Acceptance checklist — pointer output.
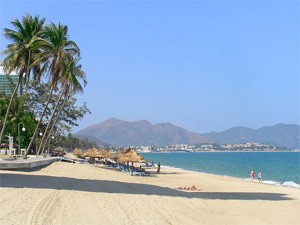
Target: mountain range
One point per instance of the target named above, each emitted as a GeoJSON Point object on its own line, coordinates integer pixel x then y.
{"type": "Point", "coordinates": [118, 132]}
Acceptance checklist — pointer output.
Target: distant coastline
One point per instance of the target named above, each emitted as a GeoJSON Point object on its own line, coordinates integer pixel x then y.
{"type": "Point", "coordinates": [180, 151]}
{"type": "Point", "coordinates": [246, 147]}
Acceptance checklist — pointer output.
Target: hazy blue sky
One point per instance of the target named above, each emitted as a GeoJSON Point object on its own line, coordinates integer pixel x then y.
{"type": "Point", "coordinates": [202, 65]}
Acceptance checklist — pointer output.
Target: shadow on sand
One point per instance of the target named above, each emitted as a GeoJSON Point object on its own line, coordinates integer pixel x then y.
{"type": "Point", "coordinates": [107, 186]}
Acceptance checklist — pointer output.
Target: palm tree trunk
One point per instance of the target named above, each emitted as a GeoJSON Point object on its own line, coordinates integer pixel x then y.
{"type": "Point", "coordinates": [48, 141]}
{"type": "Point", "coordinates": [10, 104]}
{"type": "Point", "coordinates": [53, 124]}
{"type": "Point", "coordinates": [39, 122]}
{"type": "Point", "coordinates": [52, 116]}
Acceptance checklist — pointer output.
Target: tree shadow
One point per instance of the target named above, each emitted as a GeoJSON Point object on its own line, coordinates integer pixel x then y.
{"type": "Point", "coordinates": [116, 187]}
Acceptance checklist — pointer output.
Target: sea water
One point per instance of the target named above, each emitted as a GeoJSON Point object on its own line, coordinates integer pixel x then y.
{"type": "Point", "coordinates": [279, 168]}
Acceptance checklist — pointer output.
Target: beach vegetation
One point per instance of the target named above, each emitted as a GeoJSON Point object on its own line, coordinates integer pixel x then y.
{"type": "Point", "coordinates": [67, 116]}
{"type": "Point", "coordinates": [72, 76]}
{"type": "Point", "coordinates": [58, 52]}
{"type": "Point", "coordinates": [47, 59]}
{"type": "Point", "coordinates": [26, 109]}
{"type": "Point", "coordinates": [69, 143]}
{"type": "Point", "coordinates": [20, 113]}
{"type": "Point", "coordinates": [22, 54]}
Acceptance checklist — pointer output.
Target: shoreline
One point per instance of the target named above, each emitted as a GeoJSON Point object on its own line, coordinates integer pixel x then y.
{"type": "Point", "coordinates": [65, 193]}
{"type": "Point", "coordinates": [268, 182]}
{"type": "Point", "coordinates": [181, 162]}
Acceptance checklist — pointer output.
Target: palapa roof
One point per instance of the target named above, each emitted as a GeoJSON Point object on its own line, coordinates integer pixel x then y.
{"type": "Point", "coordinates": [103, 154]}
{"type": "Point", "coordinates": [77, 152]}
{"type": "Point", "coordinates": [95, 153]}
{"type": "Point", "coordinates": [129, 155]}
{"type": "Point", "coordinates": [91, 153]}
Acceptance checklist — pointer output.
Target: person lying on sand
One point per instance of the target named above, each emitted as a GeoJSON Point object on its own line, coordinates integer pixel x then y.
{"type": "Point", "coordinates": [192, 188]}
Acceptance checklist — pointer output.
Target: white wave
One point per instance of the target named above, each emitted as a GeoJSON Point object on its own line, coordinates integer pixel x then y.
{"type": "Point", "coordinates": [291, 184]}
{"type": "Point", "coordinates": [270, 182]}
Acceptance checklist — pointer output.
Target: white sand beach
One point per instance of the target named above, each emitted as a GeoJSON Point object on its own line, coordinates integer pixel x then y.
{"type": "Point", "coordinates": [65, 193]}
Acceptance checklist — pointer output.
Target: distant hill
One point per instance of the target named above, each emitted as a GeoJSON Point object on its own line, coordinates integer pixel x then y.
{"type": "Point", "coordinates": [285, 135]}
{"type": "Point", "coordinates": [123, 133]}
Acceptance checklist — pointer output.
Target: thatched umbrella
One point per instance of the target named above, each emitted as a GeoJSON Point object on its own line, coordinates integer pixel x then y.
{"type": "Point", "coordinates": [103, 154]}
{"type": "Point", "coordinates": [129, 155]}
{"type": "Point", "coordinates": [92, 154]}
{"type": "Point", "coordinates": [114, 155]}
{"type": "Point", "coordinates": [78, 153]}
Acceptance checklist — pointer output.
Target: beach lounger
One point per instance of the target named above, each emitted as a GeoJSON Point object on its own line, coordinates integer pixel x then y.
{"type": "Point", "coordinates": [139, 173]}
{"type": "Point", "coordinates": [136, 173]}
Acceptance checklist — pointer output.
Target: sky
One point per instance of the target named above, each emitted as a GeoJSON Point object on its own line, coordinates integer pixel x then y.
{"type": "Point", "coordinates": [201, 65]}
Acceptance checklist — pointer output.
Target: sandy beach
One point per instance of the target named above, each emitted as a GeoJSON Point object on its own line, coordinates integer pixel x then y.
{"type": "Point", "coordinates": [65, 193]}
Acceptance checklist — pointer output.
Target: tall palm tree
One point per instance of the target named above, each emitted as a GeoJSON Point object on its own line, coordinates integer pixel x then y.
{"type": "Point", "coordinates": [57, 52]}
{"type": "Point", "coordinates": [23, 54]}
{"type": "Point", "coordinates": [71, 85]}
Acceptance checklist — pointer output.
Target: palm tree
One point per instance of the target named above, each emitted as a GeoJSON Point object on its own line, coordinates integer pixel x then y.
{"type": "Point", "coordinates": [57, 52]}
{"type": "Point", "coordinates": [23, 54]}
{"type": "Point", "coordinates": [71, 85]}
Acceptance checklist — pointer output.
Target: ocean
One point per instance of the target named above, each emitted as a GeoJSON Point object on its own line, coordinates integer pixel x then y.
{"type": "Point", "coordinates": [278, 168]}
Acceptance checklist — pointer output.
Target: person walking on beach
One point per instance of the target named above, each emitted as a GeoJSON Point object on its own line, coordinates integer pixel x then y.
{"type": "Point", "coordinates": [252, 174]}
{"type": "Point", "coordinates": [259, 176]}
{"type": "Point", "coordinates": [158, 168]}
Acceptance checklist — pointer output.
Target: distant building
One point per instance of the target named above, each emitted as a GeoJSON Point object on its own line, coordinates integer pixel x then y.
{"type": "Point", "coordinates": [144, 149]}
{"type": "Point", "coordinates": [8, 83]}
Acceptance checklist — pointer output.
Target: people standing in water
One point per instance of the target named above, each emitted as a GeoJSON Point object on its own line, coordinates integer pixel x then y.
{"type": "Point", "coordinates": [259, 176]}
{"type": "Point", "coordinates": [252, 174]}
{"type": "Point", "coordinates": [158, 168]}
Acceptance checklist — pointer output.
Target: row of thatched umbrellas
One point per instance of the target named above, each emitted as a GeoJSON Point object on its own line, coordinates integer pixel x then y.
{"type": "Point", "coordinates": [125, 156]}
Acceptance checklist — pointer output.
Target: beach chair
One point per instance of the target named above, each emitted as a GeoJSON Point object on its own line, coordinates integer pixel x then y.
{"type": "Point", "coordinates": [139, 173]}
{"type": "Point", "coordinates": [125, 170]}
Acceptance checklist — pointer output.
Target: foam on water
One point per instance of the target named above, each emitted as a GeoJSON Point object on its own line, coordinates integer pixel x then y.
{"type": "Point", "coordinates": [291, 184]}
{"type": "Point", "coordinates": [270, 182]}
